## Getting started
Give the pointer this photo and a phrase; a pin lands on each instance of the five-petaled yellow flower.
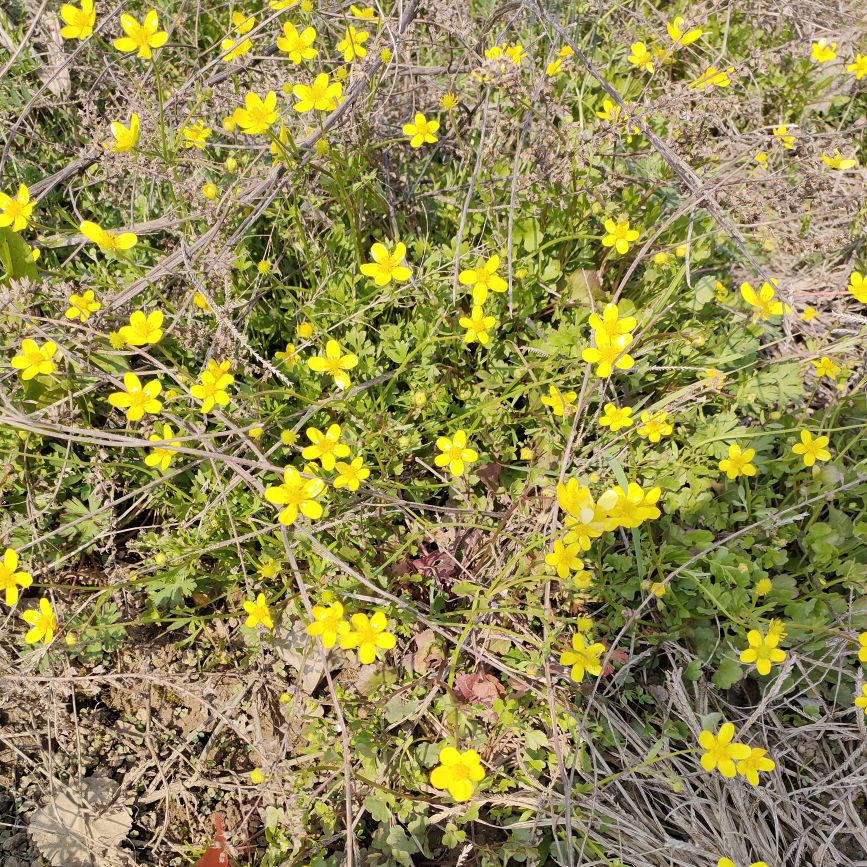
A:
(257, 114)
(35, 360)
(328, 624)
(482, 278)
(212, 385)
(11, 579)
(386, 266)
(258, 612)
(608, 354)
(763, 651)
(137, 399)
(812, 450)
(352, 44)
(15, 210)
(351, 475)
(720, 751)
(289, 356)
(326, 447)
(335, 364)
(641, 56)
(565, 559)
(322, 95)
(81, 306)
(477, 326)
(713, 77)
(838, 162)
(143, 328)
(561, 402)
(421, 131)
(619, 235)
(105, 239)
(79, 21)
(755, 762)
(615, 417)
(125, 137)
(629, 508)
(162, 455)
(858, 67)
(677, 35)
(297, 46)
(196, 135)
(654, 426)
(738, 462)
(610, 325)
(784, 137)
(141, 38)
(858, 286)
(584, 658)
(609, 111)
(763, 300)
(456, 772)
(296, 494)
(43, 623)
(368, 634)
(455, 454)
(826, 367)
(822, 51)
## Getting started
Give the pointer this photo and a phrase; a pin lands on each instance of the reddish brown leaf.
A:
(478, 688)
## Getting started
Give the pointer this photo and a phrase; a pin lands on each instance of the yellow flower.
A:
(140, 38)
(554, 67)
(763, 301)
(822, 51)
(477, 326)
(449, 101)
(240, 24)
(210, 190)
(826, 367)
(455, 454)
(200, 302)
(351, 475)
(565, 559)
(482, 278)
(763, 587)
(352, 44)
(125, 138)
(862, 650)
(105, 239)
(15, 211)
(79, 21)
(750, 767)
(368, 634)
(583, 658)
(784, 137)
(861, 701)
(809, 314)
(836, 161)
(561, 402)
(629, 508)
(335, 364)
(585, 518)
(212, 385)
(11, 579)
(304, 330)
(660, 258)
(298, 46)
(608, 354)
(258, 613)
(268, 568)
(616, 417)
(721, 752)
(35, 360)
(858, 67)
(256, 776)
(609, 325)
(196, 135)
(609, 111)
(738, 462)
(386, 266)
(296, 494)
(162, 455)
(619, 235)
(326, 447)
(288, 356)
(763, 651)
(43, 623)
(263, 266)
(761, 158)
(858, 286)
(137, 399)
(143, 328)
(727, 862)
(456, 772)
(641, 57)
(421, 130)
(654, 426)
(328, 624)
(713, 77)
(258, 114)
(678, 37)
(812, 449)
(366, 12)
(322, 95)
(81, 306)
(658, 589)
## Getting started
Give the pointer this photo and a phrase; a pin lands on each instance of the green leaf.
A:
(15, 261)
(728, 674)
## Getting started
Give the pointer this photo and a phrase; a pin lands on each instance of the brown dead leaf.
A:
(478, 688)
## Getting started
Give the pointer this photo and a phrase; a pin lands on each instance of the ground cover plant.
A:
(432, 433)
